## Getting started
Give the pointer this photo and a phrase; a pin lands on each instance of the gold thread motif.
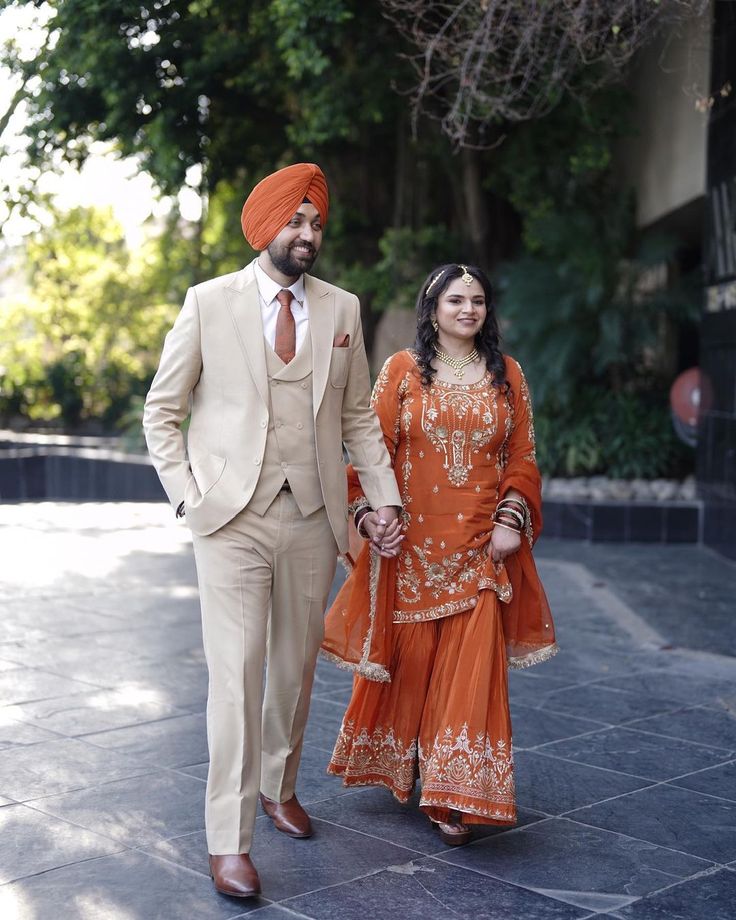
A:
(435, 613)
(379, 754)
(364, 667)
(506, 815)
(503, 590)
(470, 426)
(537, 656)
(460, 424)
(531, 457)
(476, 768)
(473, 775)
(368, 670)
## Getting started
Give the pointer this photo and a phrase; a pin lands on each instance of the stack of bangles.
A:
(359, 518)
(511, 513)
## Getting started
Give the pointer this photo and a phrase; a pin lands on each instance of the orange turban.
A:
(275, 200)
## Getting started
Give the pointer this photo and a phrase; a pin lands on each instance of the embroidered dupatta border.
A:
(364, 668)
(519, 662)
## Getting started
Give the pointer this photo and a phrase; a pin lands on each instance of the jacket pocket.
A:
(207, 470)
(339, 366)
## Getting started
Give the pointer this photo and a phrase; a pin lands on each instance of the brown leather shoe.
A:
(235, 875)
(455, 834)
(288, 817)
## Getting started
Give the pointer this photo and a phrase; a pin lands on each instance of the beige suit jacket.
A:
(213, 364)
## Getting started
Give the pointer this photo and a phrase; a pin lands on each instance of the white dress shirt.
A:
(267, 290)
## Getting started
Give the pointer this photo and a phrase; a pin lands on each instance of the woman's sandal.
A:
(454, 835)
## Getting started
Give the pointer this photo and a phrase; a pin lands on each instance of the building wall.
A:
(666, 161)
(717, 435)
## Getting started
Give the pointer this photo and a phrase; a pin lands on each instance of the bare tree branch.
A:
(482, 62)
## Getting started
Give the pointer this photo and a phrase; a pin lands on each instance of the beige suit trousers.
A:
(263, 583)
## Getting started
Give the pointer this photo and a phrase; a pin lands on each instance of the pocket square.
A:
(342, 340)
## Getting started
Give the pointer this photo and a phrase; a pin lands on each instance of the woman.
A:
(430, 618)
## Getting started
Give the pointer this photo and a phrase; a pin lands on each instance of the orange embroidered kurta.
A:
(450, 453)
(456, 450)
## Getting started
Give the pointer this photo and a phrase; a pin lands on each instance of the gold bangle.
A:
(359, 526)
(515, 515)
(507, 526)
(512, 501)
(508, 522)
(521, 502)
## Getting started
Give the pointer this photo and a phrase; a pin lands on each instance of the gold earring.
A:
(435, 325)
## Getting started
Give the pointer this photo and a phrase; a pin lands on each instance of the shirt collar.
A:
(268, 288)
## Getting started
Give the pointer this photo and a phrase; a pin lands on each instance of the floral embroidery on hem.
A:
(460, 766)
(507, 816)
(477, 771)
(377, 754)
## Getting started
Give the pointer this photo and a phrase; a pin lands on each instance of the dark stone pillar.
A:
(716, 465)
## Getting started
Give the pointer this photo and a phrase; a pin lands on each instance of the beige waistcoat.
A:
(291, 452)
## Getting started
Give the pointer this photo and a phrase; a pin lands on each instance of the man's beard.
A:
(284, 261)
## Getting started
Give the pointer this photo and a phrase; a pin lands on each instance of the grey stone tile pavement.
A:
(625, 747)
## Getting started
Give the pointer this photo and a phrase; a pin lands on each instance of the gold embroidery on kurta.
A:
(459, 422)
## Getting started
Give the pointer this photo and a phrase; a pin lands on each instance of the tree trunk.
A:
(402, 208)
(476, 213)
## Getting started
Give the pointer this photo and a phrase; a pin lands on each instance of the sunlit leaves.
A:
(86, 334)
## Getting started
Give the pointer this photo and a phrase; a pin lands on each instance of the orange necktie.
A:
(285, 344)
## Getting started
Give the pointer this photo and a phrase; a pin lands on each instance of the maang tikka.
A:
(466, 278)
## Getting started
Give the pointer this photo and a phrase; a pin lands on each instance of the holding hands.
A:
(383, 529)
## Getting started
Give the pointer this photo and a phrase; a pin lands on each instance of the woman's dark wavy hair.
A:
(487, 341)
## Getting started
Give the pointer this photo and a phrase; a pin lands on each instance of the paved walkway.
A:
(625, 750)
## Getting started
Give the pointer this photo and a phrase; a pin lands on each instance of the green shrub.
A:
(621, 435)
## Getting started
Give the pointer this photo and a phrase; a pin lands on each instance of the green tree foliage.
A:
(238, 89)
(87, 334)
(587, 304)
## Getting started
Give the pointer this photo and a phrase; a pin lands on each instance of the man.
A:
(272, 364)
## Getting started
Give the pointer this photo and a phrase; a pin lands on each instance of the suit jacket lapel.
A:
(245, 311)
(321, 303)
